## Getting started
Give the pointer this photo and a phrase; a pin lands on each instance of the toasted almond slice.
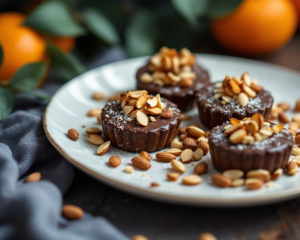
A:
(238, 136)
(198, 154)
(165, 157)
(237, 80)
(292, 168)
(186, 156)
(133, 113)
(99, 96)
(257, 137)
(230, 129)
(94, 112)
(255, 87)
(159, 102)
(251, 126)
(176, 143)
(254, 183)
(92, 130)
(248, 140)
(277, 173)
(178, 166)
(174, 151)
(266, 131)
(234, 87)
(248, 91)
(33, 177)
(242, 99)
(221, 180)
(201, 168)
(152, 102)
(172, 176)
(234, 121)
(146, 155)
(132, 102)
(195, 131)
(128, 109)
(277, 128)
(191, 180)
(262, 174)
(146, 78)
(95, 139)
(154, 110)
(103, 148)
(233, 173)
(142, 118)
(137, 94)
(238, 182)
(167, 114)
(141, 101)
(246, 78)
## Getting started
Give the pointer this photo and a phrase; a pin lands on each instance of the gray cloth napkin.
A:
(33, 210)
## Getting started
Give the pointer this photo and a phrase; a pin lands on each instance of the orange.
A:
(64, 43)
(20, 44)
(256, 27)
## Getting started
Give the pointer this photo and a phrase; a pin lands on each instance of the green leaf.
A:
(191, 9)
(65, 65)
(7, 99)
(99, 25)
(1, 55)
(141, 34)
(220, 8)
(26, 79)
(53, 18)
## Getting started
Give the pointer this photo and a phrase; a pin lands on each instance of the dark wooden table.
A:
(157, 220)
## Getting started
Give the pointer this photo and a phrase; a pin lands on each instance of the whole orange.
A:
(20, 44)
(64, 43)
(256, 27)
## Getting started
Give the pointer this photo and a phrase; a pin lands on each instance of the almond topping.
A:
(277, 173)
(238, 136)
(243, 99)
(128, 109)
(191, 180)
(103, 148)
(152, 102)
(186, 156)
(154, 110)
(167, 114)
(142, 118)
(178, 166)
(146, 78)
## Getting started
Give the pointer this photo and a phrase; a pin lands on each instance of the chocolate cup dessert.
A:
(213, 113)
(125, 133)
(269, 154)
(183, 97)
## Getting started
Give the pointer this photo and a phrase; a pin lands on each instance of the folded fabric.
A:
(33, 210)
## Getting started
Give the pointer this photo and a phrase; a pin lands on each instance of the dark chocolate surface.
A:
(182, 97)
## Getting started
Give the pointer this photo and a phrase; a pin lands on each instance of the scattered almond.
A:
(146, 155)
(292, 168)
(254, 183)
(295, 150)
(73, 134)
(94, 112)
(204, 146)
(141, 163)
(297, 106)
(221, 180)
(72, 212)
(33, 177)
(198, 154)
(99, 96)
(178, 166)
(277, 173)
(172, 176)
(176, 143)
(284, 106)
(283, 118)
(92, 130)
(262, 174)
(296, 118)
(103, 148)
(165, 157)
(233, 173)
(238, 182)
(114, 161)
(95, 139)
(186, 156)
(174, 151)
(189, 142)
(195, 131)
(201, 168)
(191, 180)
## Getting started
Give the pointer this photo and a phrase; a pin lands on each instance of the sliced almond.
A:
(176, 143)
(186, 156)
(233, 173)
(204, 146)
(159, 102)
(257, 88)
(174, 151)
(137, 94)
(234, 87)
(128, 109)
(248, 140)
(230, 129)
(167, 114)
(191, 180)
(141, 101)
(146, 155)
(172, 176)
(277, 173)
(258, 118)
(221, 180)
(248, 91)
(262, 174)
(198, 154)
(93, 130)
(251, 126)
(277, 128)
(103, 148)
(141, 163)
(142, 118)
(154, 111)
(195, 131)
(152, 102)
(242, 99)
(238, 136)
(146, 78)
(165, 157)
(254, 183)
(94, 112)
(99, 96)
(238, 182)
(95, 139)
(178, 166)
(201, 168)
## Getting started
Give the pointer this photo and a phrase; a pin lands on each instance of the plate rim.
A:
(150, 193)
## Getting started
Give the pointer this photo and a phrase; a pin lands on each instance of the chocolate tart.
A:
(125, 133)
(269, 154)
(183, 97)
(212, 112)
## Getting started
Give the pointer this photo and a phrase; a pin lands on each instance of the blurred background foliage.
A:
(73, 32)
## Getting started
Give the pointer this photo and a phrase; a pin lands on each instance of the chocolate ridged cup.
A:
(183, 97)
(125, 133)
(213, 113)
(269, 154)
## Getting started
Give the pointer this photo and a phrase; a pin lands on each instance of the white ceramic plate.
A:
(68, 108)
